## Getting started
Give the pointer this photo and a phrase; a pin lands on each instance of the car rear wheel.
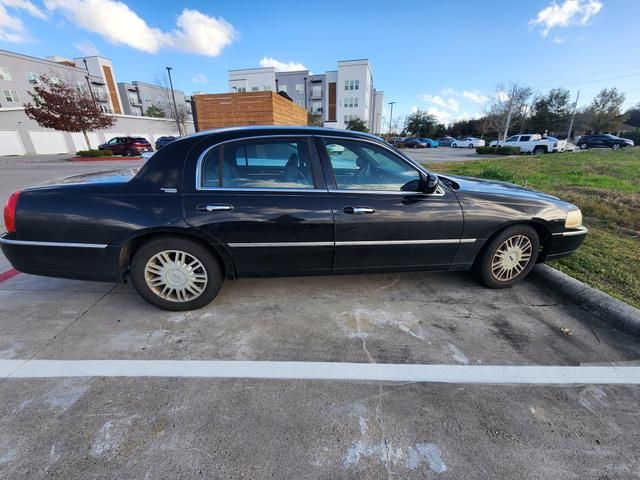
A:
(176, 274)
(539, 150)
(470, 145)
(454, 145)
(428, 145)
(509, 257)
(584, 146)
(615, 146)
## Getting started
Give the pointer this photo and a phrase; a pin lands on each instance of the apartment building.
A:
(93, 75)
(337, 96)
(137, 97)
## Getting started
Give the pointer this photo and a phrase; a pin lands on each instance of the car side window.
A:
(512, 139)
(112, 141)
(525, 138)
(365, 166)
(277, 163)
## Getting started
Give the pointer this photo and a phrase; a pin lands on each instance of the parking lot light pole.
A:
(175, 106)
(390, 117)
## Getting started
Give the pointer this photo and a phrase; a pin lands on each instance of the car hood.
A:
(473, 185)
(122, 175)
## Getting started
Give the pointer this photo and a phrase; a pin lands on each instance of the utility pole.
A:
(573, 115)
(506, 127)
(175, 106)
(390, 117)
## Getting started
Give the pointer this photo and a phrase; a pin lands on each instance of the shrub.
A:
(633, 135)
(498, 150)
(94, 153)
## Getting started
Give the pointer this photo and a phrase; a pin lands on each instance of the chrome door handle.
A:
(214, 208)
(358, 210)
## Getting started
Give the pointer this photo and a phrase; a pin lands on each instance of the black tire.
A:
(428, 145)
(483, 265)
(208, 262)
(470, 146)
(584, 146)
(454, 145)
(129, 153)
(615, 146)
(539, 151)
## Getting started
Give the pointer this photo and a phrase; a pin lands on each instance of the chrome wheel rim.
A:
(511, 258)
(175, 276)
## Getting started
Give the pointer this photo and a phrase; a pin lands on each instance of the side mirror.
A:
(430, 183)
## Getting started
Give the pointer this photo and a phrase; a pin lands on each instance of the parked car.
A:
(468, 142)
(603, 141)
(430, 142)
(446, 141)
(127, 146)
(262, 201)
(418, 142)
(558, 145)
(162, 141)
(396, 141)
(336, 149)
(531, 143)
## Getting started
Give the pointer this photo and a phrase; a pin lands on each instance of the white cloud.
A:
(570, 12)
(199, 78)
(502, 95)
(558, 39)
(195, 32)
(11, 27)
(448, 103)
(87, 48)
(281, 66)
(441, 115)
(414, 109)
(475, 96)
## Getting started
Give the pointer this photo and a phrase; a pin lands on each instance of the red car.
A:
(127, 146)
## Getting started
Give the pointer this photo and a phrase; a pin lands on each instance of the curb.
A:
(604, 306)
(103, 159)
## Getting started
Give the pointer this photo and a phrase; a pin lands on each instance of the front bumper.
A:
(81, 261)
(567, 242)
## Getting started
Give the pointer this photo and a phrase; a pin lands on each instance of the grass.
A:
(605, 185)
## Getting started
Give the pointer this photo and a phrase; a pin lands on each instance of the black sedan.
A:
(603, 141)
(264, 201)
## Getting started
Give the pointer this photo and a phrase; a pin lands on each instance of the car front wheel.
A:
(615, 146)
(176, 274)
(509, 257)
(584, 146)
(453, 145)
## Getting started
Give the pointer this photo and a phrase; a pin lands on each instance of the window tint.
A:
(364, 166)
(512, 139)
(259, 164)
(525, 138)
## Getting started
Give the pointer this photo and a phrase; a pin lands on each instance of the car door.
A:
(264, 200)
(382, 221)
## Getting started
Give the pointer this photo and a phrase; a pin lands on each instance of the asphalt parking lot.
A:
(443, 154)
(143, 396)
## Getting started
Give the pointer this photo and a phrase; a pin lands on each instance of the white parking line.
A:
(459, 374)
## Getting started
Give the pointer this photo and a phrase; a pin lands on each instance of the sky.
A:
(446, 56)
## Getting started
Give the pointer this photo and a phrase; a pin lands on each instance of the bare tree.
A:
(178, 112)
(507, 107)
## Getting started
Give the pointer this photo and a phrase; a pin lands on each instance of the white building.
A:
(337, 96)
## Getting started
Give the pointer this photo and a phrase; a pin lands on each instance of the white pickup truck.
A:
(532, 143)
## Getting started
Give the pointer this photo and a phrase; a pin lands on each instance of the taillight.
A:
(10, 212)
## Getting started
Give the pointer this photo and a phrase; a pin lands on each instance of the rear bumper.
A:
(567, 242)
(81, 261)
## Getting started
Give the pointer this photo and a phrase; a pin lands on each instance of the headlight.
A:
(574, 219)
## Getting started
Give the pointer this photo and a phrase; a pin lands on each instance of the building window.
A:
(352, 84)
(32, 78)
(254, 89)
(316, 108)
(316, 91)
(4, 74)
(299, 88)
(11, 96)
(133, 100)
(282, 88)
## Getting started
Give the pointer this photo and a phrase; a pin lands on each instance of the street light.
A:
(175, 106)
(390, 117)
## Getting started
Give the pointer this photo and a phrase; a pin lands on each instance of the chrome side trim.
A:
(438, 193)
(280, 244)
(353, 243)
(28, 243)
(572, 233)
(262, 189)
(406, 242)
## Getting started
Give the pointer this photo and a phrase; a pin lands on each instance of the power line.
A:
(591, 81)
(625, 70)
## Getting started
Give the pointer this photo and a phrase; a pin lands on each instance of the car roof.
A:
(283, 130)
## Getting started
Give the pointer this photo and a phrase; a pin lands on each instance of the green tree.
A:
(551, 111)
(63, 107)
(357, 125)
(153, 111)
(633, 116)
(606, 111)
(421, 123)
